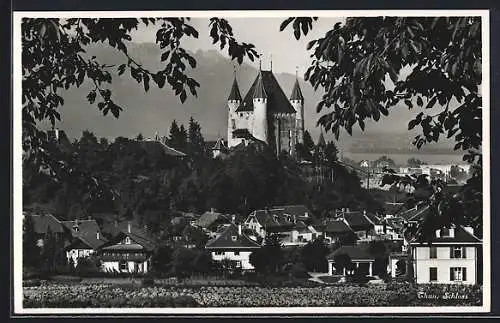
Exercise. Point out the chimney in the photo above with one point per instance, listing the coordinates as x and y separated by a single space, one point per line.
233 218
364 212
212 210
239 229
129 227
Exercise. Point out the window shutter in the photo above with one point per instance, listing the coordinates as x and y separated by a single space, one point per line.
464 274
451 274
451 252
464 253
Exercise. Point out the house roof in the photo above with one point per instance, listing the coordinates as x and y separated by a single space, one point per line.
234 95
301 212
230 238
209 218
277 102
140 236
42 223
154 146
273 219
296 92
337 227
357 252
357 221
219 145
87 233
461 235
392 208
415 213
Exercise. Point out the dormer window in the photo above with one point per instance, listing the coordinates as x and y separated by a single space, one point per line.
234 238
75 227
447 233
127 240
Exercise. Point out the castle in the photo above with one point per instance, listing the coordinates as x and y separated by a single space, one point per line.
266 115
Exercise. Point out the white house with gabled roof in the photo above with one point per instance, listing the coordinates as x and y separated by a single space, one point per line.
450 257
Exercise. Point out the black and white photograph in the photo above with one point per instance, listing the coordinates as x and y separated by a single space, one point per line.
251 162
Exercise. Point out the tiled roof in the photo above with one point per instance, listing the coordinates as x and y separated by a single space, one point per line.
296 92
273 220
356 252
219 145
42 222
415 213
154 146
337 227
234 95
460 235
230 239
138 235
357 221
392 208
209 218
277 102
87 232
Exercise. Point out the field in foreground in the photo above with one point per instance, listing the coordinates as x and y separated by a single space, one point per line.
74 295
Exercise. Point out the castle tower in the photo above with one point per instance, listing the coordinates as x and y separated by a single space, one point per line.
297 101
233 102
259 127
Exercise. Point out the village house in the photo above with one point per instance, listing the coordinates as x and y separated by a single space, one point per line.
211 221
450 257
129 251
87 239
295 224
234 246
44 224
337 230
360 224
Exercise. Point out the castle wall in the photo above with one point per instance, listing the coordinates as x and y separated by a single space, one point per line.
260 126
284 133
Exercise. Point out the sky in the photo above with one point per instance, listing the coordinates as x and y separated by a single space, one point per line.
287 53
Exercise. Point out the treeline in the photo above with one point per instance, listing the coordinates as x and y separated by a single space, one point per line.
135 179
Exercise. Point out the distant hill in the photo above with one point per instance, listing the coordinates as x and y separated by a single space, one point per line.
154 111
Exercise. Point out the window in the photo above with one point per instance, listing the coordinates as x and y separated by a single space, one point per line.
238 264
127 240
236 253
458 274
433 274
219 253
314 236
433 252
234 238
457 252
300 238
233 123
123 266
445 232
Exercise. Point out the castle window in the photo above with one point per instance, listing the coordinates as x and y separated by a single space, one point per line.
241 114
233 123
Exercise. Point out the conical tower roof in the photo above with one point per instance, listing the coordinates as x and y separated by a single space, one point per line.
235 92
296 92
259 91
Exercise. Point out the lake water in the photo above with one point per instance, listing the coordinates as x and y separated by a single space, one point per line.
402 159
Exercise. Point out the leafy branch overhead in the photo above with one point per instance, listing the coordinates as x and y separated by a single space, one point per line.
361 64
55 59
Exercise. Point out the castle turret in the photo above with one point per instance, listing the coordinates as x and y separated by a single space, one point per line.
297 101
259 129
233 102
